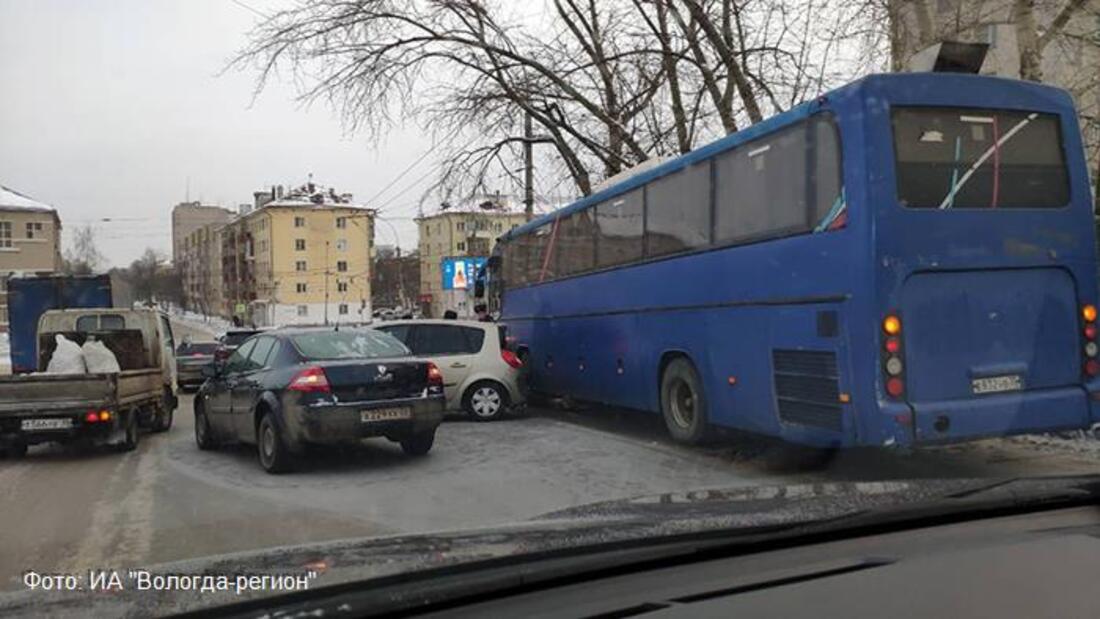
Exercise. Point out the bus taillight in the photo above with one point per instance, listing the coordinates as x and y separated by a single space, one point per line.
1089 312
892 365
1091 365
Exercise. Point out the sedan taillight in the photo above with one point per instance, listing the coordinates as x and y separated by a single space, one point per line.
310 380
435 377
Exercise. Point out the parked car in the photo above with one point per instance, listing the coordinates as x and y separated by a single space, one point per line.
285 389
480 375
191 358
231 339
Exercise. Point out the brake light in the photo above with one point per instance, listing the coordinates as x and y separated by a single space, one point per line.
1090 332
895 387
91 417
511 359
435 377
310 380
892 345
1092 367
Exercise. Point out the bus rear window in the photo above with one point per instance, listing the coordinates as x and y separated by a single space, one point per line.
974 158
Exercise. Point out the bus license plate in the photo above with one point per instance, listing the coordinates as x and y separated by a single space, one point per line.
46 424
385 414
996 384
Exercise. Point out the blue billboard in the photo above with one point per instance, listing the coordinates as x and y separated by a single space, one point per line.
459 273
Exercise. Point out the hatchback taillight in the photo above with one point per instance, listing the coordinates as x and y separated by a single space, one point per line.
310 380
511 359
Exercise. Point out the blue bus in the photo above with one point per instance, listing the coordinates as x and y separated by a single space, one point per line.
909 259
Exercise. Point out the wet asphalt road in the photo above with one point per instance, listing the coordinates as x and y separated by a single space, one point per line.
66 510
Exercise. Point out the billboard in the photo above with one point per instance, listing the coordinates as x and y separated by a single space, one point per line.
459 273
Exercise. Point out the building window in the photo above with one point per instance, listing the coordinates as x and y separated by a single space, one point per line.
341 286
300 287
342 266
303 310
341 222
460 226
341 244
427 230
343 309
299 222
300 244
498 227
514 226
32 228
300 265
5 234
461 246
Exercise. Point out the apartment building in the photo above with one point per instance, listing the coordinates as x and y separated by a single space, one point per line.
30 241
304 258
467 230
187 217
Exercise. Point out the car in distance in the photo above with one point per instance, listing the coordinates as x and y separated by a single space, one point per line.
191 358
283 390
480 375
231 339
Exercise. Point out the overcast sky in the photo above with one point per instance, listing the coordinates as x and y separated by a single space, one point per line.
109 106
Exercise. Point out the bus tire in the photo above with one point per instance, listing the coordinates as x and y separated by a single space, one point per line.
683 403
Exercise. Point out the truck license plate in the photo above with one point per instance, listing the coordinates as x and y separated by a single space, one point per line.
46 424
385 414
996 384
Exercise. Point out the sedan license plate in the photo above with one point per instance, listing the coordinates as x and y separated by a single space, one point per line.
46 424
385 414
996 384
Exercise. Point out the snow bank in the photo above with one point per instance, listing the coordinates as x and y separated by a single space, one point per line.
1082 441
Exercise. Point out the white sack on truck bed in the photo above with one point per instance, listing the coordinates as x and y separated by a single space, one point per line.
67 358
99 359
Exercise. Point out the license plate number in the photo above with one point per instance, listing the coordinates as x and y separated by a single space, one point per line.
46 424
996 384
385 414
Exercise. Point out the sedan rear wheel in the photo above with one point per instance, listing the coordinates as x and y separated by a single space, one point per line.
203 438
274 455
486 400
418 444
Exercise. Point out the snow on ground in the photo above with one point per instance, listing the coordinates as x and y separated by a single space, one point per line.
214 325
1081 442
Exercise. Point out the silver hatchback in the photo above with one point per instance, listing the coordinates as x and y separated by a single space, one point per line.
480 375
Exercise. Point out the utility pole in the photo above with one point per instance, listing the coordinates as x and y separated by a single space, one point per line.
528 169
326 280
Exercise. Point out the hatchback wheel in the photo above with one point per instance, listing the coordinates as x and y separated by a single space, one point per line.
486 400
203 437
418 444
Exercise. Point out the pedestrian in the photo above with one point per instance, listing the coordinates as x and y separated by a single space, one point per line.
482 312
450 315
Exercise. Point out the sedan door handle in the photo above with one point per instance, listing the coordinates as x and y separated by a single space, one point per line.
458 365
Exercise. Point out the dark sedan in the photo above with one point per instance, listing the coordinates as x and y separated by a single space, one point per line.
191 358
286 389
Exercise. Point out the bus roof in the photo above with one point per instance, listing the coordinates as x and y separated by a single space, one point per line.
915 81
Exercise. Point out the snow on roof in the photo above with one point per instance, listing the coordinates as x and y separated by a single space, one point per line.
12 199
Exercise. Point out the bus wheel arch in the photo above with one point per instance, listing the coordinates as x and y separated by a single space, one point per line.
683 401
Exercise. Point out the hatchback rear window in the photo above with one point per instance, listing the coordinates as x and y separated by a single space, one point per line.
976 158
197 348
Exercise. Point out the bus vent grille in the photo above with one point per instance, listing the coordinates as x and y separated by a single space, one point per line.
806 390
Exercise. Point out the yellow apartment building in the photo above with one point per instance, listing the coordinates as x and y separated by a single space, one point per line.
307 261
469 230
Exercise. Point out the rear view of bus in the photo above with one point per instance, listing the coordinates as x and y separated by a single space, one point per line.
985 260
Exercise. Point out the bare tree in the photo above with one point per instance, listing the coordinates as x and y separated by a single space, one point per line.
608 83
83 258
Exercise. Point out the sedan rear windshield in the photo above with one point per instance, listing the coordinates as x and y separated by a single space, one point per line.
236 338
975 158
324 345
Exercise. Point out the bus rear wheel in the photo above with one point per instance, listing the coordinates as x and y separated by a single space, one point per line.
682 403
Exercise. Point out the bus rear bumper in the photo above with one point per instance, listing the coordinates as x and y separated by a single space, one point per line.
1005 414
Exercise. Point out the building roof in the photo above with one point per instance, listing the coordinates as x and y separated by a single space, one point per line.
11 199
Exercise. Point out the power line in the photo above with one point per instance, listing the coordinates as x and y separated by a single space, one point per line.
412 165
246 7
